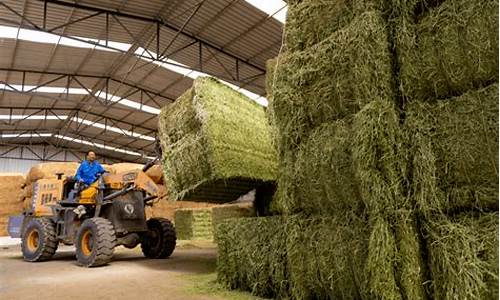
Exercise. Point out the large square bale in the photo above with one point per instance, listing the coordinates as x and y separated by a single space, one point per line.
252 255
216 144
454 152
193 224
333 79
327 256
446 48
463 256
310 21
11 186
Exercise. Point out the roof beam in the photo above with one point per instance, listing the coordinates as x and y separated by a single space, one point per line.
107 120
70 76
163 23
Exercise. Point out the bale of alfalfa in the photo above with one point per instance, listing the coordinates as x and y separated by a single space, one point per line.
310 21
50 171
411 267
193 224
333 79
252 255
10 186
216 144
463 256
156 174
447 49
120 168
327 255
230 211
380 158
323 174
454 152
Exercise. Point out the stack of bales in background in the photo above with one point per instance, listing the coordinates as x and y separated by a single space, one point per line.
194 224
216 144
10 204
198 223
371 155
47 170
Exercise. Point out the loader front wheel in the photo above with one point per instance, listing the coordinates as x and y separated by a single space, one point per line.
95 242
39 241
160 240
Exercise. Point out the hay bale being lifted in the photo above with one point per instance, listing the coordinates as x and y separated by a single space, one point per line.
216 144
454 152
451 48
463 255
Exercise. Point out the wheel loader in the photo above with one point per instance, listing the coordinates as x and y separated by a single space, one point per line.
96 219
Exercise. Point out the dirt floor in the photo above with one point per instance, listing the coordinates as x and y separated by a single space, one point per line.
188 274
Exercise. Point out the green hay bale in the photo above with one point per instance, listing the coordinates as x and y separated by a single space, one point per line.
311 21
224 212
333 79
193 224
463 254
381 261
411 267
216 144
454 152
448 49
252 255
326 257
323 173
380 162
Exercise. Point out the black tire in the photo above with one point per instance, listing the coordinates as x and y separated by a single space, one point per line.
39 241
160 240
95 242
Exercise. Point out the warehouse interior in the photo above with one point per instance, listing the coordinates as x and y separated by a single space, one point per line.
249 149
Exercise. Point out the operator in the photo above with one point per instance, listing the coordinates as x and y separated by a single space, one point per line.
89 170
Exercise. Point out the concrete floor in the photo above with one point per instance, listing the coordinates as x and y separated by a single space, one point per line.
128 276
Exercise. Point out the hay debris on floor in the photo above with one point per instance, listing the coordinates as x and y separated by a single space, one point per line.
216 144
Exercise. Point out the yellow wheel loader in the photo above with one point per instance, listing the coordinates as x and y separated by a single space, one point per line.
108 213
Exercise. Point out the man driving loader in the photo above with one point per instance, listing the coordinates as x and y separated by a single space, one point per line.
89 170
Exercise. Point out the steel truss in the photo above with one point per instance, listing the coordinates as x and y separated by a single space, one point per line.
206 50
46 153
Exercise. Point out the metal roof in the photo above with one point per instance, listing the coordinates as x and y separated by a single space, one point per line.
228 39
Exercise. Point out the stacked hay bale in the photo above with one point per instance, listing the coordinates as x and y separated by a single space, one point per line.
370 156
449 81
216 144
198 223
47 170
123 168
11 187
193 224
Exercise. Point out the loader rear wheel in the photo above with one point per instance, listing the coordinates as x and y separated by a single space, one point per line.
95 242
39 241
159 241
